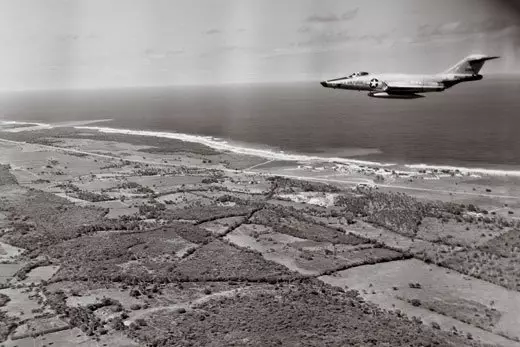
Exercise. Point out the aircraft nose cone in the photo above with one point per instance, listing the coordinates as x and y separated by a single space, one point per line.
324 83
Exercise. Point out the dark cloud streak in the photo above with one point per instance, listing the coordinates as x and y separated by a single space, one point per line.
213 32
346 16
428 32
332 38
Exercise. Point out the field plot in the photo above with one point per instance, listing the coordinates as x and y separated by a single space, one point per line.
433 293
8 252
40 273
118 209
506 245
98 184
162 184
280 315
245 186
496 261
456 233
387 237
39 326
312 198
72 337
125 255
206 213
221 226
307 257
183 200
86 297
7 271
21 304
219 261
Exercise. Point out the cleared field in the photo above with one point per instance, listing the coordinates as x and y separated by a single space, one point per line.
183 200
219 261
21 304
312 198
221 226
72 337
7 271
306 256
454 233
41 273
167 183
443 292
8 252
91 296
39 326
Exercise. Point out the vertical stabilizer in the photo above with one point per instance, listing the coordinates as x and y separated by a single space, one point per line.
470 65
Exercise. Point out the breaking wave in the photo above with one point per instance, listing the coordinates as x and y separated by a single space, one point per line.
223 145
13 122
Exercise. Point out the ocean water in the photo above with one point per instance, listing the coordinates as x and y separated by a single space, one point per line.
472 125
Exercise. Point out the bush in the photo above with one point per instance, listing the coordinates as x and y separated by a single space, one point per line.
349 216
415 302
141 322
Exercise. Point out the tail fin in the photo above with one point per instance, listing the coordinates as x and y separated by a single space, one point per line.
470 65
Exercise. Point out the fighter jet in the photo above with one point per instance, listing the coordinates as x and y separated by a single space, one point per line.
405 86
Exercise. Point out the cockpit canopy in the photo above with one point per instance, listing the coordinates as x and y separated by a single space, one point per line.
357 74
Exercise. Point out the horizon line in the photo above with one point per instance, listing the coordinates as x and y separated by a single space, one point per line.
215 84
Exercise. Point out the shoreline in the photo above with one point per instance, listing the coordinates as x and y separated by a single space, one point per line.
268 154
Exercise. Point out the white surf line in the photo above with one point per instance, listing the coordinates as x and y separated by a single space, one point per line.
58 124
13 122
464 170
301 178
257 165
223 145
35 126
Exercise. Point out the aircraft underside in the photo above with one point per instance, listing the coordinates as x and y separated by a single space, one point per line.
387 95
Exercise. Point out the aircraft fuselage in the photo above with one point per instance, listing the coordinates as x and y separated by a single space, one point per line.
407 86
416 83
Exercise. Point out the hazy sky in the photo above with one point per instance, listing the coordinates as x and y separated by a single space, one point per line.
111 43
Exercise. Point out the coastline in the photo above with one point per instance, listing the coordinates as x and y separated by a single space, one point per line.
266 153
